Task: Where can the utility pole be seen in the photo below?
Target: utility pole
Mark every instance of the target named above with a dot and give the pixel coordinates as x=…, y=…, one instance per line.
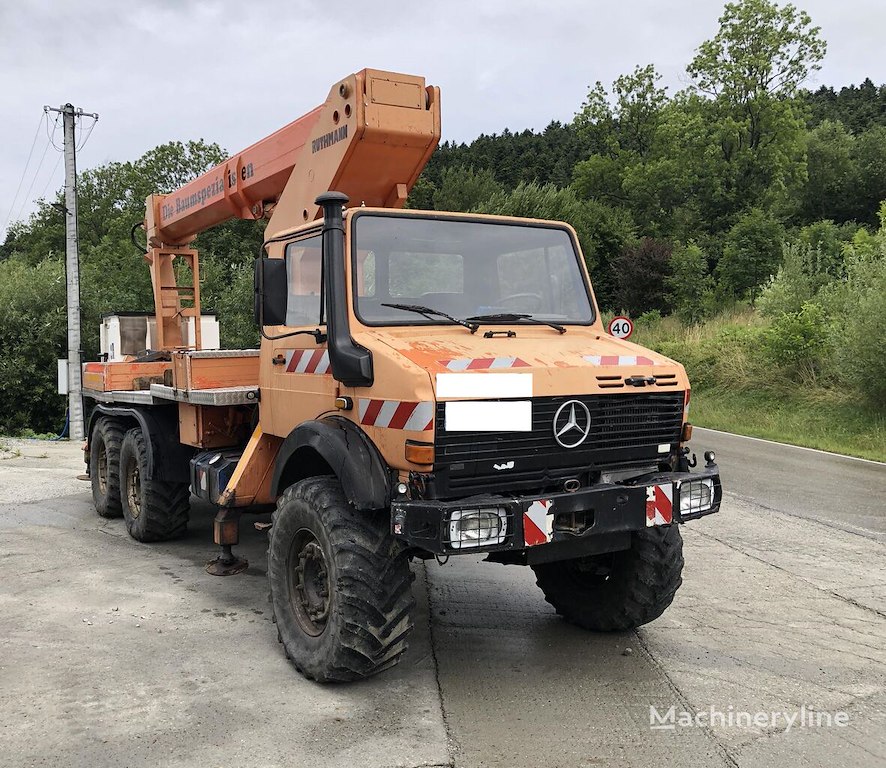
x=72, y=269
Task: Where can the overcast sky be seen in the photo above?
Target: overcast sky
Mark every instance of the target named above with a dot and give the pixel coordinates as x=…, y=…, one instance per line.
x=233, y=72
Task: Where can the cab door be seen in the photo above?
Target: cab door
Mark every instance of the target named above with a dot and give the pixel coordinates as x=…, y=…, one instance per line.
x=301, y=383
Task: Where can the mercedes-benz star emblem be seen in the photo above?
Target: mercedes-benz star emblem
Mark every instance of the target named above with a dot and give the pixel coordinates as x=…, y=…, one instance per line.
x=572, y=423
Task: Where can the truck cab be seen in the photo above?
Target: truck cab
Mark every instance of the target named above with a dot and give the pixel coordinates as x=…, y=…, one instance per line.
x=485, y=374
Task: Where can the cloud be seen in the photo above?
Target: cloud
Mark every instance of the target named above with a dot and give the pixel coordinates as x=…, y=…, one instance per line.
x=232, y=72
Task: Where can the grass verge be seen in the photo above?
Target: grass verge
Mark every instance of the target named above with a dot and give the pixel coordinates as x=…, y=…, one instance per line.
x=814, y=421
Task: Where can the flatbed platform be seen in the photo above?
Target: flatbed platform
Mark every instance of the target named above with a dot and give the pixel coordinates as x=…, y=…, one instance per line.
x=159, y=394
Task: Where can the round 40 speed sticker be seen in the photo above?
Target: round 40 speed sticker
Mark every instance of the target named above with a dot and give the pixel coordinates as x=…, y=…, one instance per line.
x=620, y=327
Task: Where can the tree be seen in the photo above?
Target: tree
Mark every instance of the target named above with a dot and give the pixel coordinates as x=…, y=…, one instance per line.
x=856, y=307
x=812, y=261
x=690, y=284
x=870, y=163
x=857, y=107
x=545, y=157
x=32, y=337
x=602, y=230
x=626, y=121
x=462, y=188
x=751, y=253
x=641, y=272
x=113, y=275
x=760, y=50
x=828, y=192
x=751, y=71
x=633, y=161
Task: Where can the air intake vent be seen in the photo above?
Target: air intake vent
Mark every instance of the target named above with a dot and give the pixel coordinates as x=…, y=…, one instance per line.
x=609, y=382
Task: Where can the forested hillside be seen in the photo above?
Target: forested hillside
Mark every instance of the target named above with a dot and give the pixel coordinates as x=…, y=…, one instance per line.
x=745, y=196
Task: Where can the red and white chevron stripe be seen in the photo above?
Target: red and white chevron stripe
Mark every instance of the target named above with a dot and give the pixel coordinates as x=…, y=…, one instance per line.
x=659, y=504
x=307, y=361
x=618, y=360
x=538, y=524
x=483, y=363
x=394, y=414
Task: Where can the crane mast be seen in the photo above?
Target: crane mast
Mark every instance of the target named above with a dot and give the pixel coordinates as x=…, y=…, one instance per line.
x=370, y=139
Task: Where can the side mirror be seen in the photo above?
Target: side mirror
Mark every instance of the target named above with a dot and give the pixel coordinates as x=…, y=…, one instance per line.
x=269, y=306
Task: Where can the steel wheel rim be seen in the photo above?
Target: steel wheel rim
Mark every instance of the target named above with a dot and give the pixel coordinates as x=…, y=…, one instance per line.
x=133, y=489
x=310, y=594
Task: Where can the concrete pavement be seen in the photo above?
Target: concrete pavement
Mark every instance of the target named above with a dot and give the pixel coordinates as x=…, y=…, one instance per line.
x=115, y=653
x=778, y=610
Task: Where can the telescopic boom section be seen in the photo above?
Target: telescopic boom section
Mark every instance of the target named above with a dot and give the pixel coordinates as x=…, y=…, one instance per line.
x=370, y=139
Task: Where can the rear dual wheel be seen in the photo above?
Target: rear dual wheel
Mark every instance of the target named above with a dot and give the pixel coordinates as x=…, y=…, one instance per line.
x=104, y=466
x=153, y=509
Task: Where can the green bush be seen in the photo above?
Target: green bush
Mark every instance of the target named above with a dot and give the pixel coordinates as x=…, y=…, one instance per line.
x=797, y=340
x=33, y=322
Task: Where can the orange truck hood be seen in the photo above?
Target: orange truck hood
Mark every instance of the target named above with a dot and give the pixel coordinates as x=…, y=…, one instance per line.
x=581, y=361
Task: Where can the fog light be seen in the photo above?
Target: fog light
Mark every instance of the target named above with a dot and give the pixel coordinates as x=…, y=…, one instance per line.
x=477, y=527
x=696, y=496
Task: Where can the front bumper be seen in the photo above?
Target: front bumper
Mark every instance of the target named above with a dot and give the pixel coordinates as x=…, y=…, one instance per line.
x=594, y=519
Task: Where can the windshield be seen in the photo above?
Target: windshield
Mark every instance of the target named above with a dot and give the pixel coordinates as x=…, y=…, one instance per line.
x=465, y=269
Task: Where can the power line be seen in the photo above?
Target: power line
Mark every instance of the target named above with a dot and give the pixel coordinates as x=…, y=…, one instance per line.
x=51, y=137
x=88, y=132
x=58, y=162
x=27, y=197
x=43, y=117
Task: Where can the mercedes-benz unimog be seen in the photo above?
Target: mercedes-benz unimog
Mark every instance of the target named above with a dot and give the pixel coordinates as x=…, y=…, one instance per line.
x=428, y=385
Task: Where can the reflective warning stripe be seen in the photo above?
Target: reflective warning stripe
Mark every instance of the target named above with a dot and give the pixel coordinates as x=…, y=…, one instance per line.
x=538, y=524
x=394, y=414
x=618, y=360
x=659, y=504
x=483, y=363
x=307, y=361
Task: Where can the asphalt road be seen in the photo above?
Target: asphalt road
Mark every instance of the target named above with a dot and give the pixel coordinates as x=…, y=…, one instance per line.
x=114, y=653
x=839, y=491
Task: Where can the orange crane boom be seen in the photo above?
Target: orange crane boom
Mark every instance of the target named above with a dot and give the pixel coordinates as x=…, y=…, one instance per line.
x=370, y=139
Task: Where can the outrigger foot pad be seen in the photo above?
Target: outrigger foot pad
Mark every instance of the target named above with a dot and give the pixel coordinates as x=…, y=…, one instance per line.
x=227, y=563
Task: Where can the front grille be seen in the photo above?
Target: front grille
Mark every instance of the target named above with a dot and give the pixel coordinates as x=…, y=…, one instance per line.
x=626, y=430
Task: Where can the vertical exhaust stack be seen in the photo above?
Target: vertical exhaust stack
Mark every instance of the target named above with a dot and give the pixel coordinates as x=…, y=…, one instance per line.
x=351, y=364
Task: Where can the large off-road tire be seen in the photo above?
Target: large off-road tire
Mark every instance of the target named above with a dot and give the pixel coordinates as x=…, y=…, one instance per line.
x=341, y=586
x=620, y=590
x=104, y=466
x=154, y=510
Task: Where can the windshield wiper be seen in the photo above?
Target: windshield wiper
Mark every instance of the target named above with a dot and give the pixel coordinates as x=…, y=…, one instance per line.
x=506, y=317
x=430, y=313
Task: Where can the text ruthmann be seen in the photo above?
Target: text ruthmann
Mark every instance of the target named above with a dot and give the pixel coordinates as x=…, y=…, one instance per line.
x=805, y=717
x=328, y=139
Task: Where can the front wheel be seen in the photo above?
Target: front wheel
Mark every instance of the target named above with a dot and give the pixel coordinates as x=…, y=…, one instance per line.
x=341, y=587
x=154, y=510
x=619, y=590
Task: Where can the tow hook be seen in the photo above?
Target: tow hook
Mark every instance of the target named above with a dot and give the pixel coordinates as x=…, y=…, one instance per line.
x=640, y=381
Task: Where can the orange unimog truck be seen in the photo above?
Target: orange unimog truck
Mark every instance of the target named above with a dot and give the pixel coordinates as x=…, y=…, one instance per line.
x=428, y=384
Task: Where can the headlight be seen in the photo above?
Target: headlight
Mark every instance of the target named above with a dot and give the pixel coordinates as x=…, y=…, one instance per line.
x=696, y=496
x=477, y=527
